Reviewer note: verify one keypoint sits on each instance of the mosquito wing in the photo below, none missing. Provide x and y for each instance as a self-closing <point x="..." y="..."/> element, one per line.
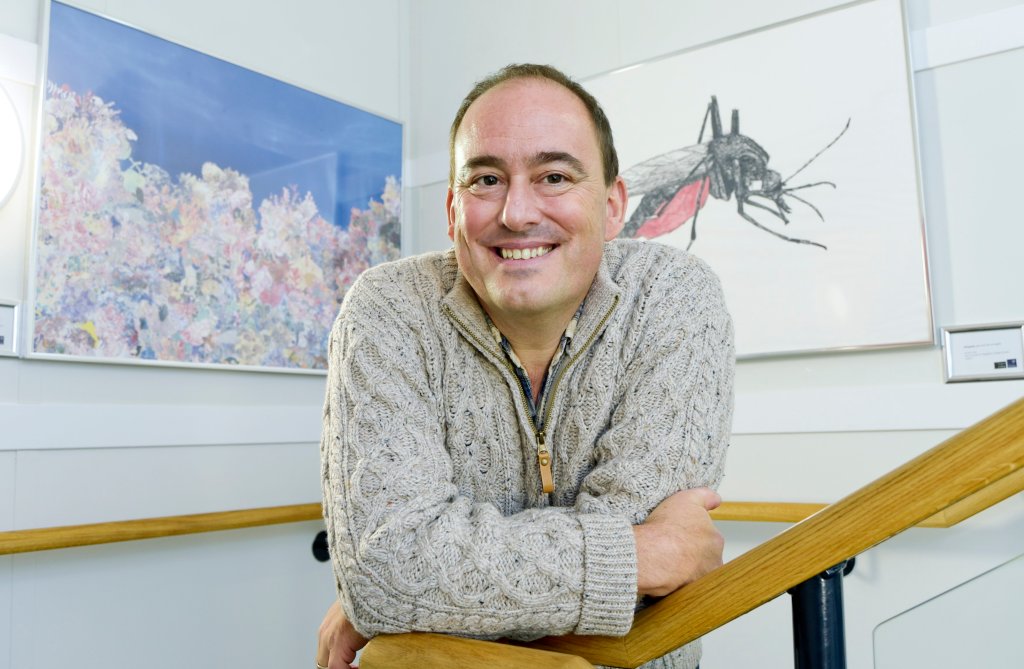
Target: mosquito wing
<point x="673" y="168"/>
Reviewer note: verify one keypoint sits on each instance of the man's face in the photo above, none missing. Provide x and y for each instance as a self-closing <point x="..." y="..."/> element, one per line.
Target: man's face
<point x="529" y="210"/>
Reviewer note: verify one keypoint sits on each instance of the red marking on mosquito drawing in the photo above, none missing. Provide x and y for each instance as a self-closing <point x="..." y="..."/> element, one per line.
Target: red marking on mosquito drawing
<point x="676" y="185"/>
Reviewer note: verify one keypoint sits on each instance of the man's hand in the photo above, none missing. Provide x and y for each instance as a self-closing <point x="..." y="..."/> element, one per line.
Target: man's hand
<point x="337" y="641"/>
<point x="678" y="543"/>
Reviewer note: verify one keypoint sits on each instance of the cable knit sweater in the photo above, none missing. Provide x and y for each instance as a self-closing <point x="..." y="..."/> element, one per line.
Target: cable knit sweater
<point x="432" y="493"/>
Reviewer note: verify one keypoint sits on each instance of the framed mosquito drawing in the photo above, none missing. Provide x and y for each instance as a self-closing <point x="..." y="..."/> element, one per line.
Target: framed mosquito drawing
<point x="786" y="159"/>
<point x="194" y="212"/>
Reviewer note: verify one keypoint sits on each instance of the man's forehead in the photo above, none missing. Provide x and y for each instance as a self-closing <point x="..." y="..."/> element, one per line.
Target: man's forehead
<point x="531" y="108"/>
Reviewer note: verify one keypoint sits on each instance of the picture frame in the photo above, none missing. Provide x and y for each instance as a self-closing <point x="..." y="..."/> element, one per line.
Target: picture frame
<point x="983" y="352"/>
<point x="10" y="326"/>
<point x="193" y="212"/>
<point x="786" y="158"/>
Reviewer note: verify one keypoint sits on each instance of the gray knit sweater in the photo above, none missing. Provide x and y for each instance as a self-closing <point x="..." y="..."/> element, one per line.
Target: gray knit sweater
<point x="432" y="494"/>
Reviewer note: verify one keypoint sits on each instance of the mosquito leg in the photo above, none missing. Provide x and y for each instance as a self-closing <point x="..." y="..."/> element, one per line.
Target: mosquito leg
<point x="752" y="220"/>
<point x="777" y="214"/>
<point x="800" y="199"/>
<point x="693" y="222"/>
<point x="811" y="185"/>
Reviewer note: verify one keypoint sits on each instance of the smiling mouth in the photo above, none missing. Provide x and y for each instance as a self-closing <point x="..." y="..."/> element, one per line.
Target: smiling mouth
<point x="523" y="254"/>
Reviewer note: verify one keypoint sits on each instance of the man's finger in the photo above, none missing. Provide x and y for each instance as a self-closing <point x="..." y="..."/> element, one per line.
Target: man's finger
<point x="323" y="651"/>
<point x="705" y="497"/>
<point x="712" y="500"/>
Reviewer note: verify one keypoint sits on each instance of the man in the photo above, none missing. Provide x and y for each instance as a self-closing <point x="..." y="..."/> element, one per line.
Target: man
<point x="502" y="418"/>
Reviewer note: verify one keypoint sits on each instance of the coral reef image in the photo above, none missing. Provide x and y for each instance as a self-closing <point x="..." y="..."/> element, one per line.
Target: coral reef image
<point x="133" y="262"/>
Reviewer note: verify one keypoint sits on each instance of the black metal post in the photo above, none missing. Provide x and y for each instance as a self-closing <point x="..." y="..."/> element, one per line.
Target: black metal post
<point x="819" y="637"/>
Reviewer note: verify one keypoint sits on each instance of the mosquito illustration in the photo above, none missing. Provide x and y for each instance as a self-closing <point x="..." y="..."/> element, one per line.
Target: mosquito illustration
<point x="676" y="185"/>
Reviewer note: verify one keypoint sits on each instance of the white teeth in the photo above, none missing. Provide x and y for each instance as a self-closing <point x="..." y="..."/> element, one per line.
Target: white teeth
<point x="524" y="254"/>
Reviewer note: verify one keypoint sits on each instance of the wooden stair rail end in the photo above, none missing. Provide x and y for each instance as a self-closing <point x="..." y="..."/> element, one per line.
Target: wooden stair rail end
<point x="441" y="651"/>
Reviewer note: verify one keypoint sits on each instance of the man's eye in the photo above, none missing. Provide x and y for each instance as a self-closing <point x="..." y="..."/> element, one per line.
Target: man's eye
<point x="487" y="180"/>
<point x="554" y="178"/>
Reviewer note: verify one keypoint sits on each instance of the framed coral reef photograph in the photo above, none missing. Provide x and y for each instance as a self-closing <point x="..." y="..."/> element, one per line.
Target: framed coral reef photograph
<point x="786" y="158"/>
<point x="194" y="212"/>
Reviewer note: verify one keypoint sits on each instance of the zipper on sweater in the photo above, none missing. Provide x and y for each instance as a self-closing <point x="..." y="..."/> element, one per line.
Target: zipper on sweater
<point x="572" y="361"/>
<point x="543" y="453"/>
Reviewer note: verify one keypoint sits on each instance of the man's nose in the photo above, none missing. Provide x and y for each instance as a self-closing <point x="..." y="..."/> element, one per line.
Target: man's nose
<point x="521" y="208"/>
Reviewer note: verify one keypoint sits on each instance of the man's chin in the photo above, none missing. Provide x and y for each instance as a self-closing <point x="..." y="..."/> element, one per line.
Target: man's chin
<point x="527" y="306"/>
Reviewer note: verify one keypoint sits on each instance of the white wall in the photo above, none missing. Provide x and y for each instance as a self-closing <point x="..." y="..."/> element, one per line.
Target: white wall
<point x="88" y="442"/>
<point x="814" y="427"/>
<point x="82" y="443"/>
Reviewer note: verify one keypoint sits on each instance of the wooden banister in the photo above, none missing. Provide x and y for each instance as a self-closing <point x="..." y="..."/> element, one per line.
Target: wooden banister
<point x="49" y="538"/>
<point x="974" y="469"/>
<point x="71" y="536"/>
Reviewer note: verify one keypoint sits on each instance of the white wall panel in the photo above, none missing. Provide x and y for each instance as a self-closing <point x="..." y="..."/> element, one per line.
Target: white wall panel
<point x="919" y="638"/>
<point x="6" y="610"/>
<point x="8" y="463"/>
<point x="45" y="426"/>
<point x="16" y="211"/>
<point x="971" y="143"/>
<point x="9" y="370"/>
<point x="458" y="42"/>
<point x="427" y="209"/>
<point x="8" y="468"/>
<point x="652" y="28"/>
<point x="249" y="598"/>
<point x="817" y="467"/>
<point x="20" y="19"/>
<point x="87" y="486"/>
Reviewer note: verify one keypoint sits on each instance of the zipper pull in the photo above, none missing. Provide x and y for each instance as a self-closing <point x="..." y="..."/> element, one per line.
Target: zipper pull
<point x="544" y="460"/>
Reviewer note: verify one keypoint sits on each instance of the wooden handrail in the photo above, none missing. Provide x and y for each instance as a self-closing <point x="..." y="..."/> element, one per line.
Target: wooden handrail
<point x="49" y="538"/>
<point x="972" y="470"/>
<point x="71" y="536"/>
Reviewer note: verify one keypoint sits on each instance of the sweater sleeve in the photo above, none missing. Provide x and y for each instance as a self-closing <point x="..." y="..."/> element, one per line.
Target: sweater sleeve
<point x="410" y="552"/>
<point x="671" y="426"/>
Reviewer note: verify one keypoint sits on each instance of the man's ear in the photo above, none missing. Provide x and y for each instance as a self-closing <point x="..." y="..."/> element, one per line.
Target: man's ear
<point x="450" y="211"/>
<point x="616" y="209"/>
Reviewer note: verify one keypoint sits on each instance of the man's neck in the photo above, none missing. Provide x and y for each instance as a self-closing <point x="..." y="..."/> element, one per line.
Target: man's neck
<point x="534" y="341"/>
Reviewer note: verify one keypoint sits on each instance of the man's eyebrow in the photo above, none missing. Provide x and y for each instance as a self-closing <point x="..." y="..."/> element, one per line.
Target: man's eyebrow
<point x="538" y="160"/>
<point x="486" y="160"/>
<point x="545" y="157"/>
